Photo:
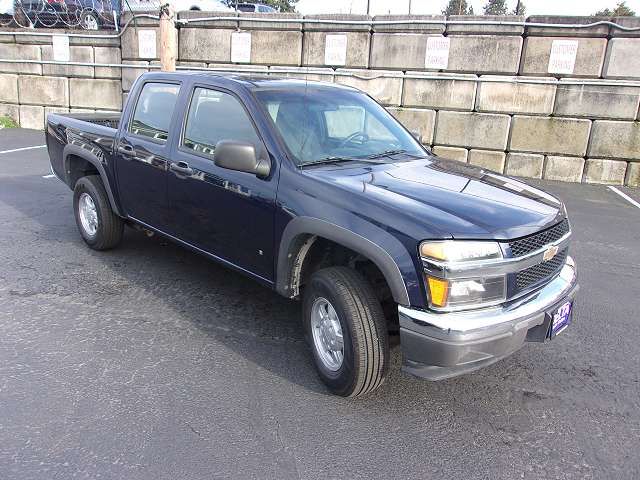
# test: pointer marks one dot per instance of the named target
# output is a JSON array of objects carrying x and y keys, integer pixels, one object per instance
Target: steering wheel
[{"x": 353, "y": 136}]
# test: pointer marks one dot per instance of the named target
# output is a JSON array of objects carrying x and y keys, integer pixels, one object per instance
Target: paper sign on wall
[
  {"x": 335, "y": 50},
  {"x": 563, "y": 56},
  {"x": 437, "y": 55},
  {"x": 241, "y": 47},
  {"x": 61, "y": 48},
  {"x": 147, "y": 43}
]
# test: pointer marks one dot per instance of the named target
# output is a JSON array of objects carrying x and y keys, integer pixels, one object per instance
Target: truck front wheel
[
  {"x": 347, "y": 331},
  {"x": 100, "y": 228}
]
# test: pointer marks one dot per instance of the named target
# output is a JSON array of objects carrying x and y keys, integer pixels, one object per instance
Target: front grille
[
  {"x": 538, "y": 240},
  {"x": 543, "y": 271}
]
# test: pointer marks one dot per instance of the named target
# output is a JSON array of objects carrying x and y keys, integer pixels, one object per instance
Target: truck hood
[{"x": 443, "y": 199}]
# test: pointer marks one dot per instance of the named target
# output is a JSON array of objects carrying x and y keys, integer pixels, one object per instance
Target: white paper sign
[
  {"x": 335, "y": 50},
  {"x": 241, "y": 47},
  {"x": 61, "y": 48},
  {"x": 437, "y": 55},
  {"x": 147, "y": 43},
  {"x": 563, "y": 56}
]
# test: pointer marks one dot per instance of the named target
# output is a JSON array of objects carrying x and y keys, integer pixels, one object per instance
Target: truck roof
[{"x": 253, "y": 81}]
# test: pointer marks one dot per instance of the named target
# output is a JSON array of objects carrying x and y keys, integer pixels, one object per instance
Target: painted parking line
[
  {"x": 625, "y": 196},
  {"x": 13, "y": 150}
]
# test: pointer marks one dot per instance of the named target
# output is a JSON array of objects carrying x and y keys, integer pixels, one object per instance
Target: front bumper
[{"x": 443, "y": 345}]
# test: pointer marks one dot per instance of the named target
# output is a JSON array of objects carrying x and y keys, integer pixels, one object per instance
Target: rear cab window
[{"x": 153, "y": 111}]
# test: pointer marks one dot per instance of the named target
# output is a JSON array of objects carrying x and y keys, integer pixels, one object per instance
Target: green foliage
[
  {"x": 621, "y": 10},
  {"x": 280, "y": 5},
  {"x": 6, "y": 122},
  {"x": 495, "y": 7},
  {"x": 458, "y": 7}
]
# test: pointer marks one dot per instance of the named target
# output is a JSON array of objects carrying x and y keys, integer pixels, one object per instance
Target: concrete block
[
  {"x": 437, "y": 28},
  {"x": 210, "y": 24},
  {"x": 129, "y": 42},
  {"x": 312, "y": 74},
  {"x": 130, "y": 75},
  {"x": 633, "y": 174},
  {"x": 107, "y": 55},
  {"x": 241, "y": 68},
  {"x": 95, "y": 93},
  {"x": 400, "y": 51},
  {"x": 475, "y": 130},
  {"x": 416, "y": 120},
  {"x": 485, "y": 29},
  {"x": 597, "y": 101},
  {"x": 83, "y": 54},
  {"x": 605, "y": 171},
  {"x": 191, "y": 65},
  {"x": 629, "y": 22},
  {"x": 615, "y": 139},
  {"x": 386, "y": 90},
  {"x": 357, "y": 52},
  {"x": 32, "y": 116},
  {"x": 451, "y": 153},
  {"x": 622, "y": 59},
  {"x": 488, "y": 159},
  {"x": 20, "y": 52},
  {"x": 435, "y": 93},
  {"x": 524, "y": 165},
  {"x": 511, "y": 97},
  {"x": 589, "y": 57},
  {"x": 271, "y": 25},
  {"x": 82, "y": 110},
  {"x": 36, "y": 39},
  {"x": 565, "y": 169},
  {"x": 97, "y": 41},
  {"x": 598, "y": 31},
  {"x": 566, "y": 136},
  {"x": 276, "y": 47},
  {"x": 484, "y": 53},
  {"x": 8, "y": 88},
  {"x": 11, "y": 111},
  {"x": 334, "y": 27},
  {"x": 209, "y": 45},
  {"x": 36, "y": 90}
]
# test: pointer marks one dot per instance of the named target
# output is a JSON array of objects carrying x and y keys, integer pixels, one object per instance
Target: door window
[
  {"x": 215, "y": 116},
  {"x": 154, "y": 110}
]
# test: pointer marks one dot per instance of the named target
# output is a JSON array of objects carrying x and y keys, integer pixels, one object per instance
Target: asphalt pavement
[{"x": 150, "y": 362}]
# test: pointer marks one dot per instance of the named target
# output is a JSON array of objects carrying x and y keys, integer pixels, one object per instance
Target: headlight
[{"x": 461, "y": 293}]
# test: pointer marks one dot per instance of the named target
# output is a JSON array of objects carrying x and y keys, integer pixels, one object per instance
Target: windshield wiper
[
  {"x": 333, "y": 159},
  {"x": 388, "y": 153}
]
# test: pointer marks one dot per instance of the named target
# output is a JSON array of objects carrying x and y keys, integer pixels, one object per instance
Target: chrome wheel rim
[
  {"x": 90, "y": 22},
  {"x": 88, "y": 214},
  {"x": 327, "y": 334}
]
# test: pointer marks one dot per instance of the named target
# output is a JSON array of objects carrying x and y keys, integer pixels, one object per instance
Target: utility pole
[
  {"x": 168, "y": 38},
  {"x": 518, "y": 8},
  {"x": 409, "y": 7},
  {"x": 368, "y": 7}
]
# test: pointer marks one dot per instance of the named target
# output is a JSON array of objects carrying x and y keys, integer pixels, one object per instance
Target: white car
[{"x": 179, "y": 5}]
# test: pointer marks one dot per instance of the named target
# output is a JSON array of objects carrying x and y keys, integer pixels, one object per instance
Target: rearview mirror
[{"x": 240, "y": 156}]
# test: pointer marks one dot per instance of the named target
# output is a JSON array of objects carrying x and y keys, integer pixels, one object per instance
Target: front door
[
  {"x": 142, "y": 154},
  {"x": 227, "y": 213}
]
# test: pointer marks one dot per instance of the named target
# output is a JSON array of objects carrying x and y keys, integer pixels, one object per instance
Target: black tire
[
  {"x": 110, "y": 226},
  {"x": 364, "y": 330}
]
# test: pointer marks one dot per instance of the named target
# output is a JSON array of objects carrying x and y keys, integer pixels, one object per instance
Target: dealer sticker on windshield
[{"x": 560, "y": 319}]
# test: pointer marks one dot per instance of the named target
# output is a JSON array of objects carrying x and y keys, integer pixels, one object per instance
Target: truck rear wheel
[
  {"x": 100, "y": 228},
  {"x": 347, "y": 331}
]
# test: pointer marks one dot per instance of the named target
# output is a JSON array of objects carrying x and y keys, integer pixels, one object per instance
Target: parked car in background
[
  {"x": 86, "y": 14},
  {"x": 255, "y": 7},
  {"x": 178, "y": 5}
]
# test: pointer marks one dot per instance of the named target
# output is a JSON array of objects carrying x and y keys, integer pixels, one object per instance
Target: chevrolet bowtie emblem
[{"x": 549, "y": 253}]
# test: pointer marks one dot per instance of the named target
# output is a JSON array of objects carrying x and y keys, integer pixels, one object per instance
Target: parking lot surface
[{"x": 149, "y": 361}]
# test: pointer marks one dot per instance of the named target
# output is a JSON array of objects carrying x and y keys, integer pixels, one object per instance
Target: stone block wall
[{"x": 497, "y": 100}]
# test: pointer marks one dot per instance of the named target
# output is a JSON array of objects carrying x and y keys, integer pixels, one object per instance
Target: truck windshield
[{"x": 327, "y": 124}]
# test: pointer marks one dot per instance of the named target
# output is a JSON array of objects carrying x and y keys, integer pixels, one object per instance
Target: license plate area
[{"x": 559, "y": 319}]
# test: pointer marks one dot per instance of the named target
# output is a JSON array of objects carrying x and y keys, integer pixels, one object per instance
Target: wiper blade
[
  {"x": 388, "y": 153},
  {"x": 338, "y": 160}
]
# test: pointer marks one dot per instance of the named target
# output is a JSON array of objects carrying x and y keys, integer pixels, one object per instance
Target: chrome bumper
[{"x": 443, "y": 345}]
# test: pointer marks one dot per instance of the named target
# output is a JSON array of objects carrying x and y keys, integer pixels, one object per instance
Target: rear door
[
  {"x": 142, "y": 153},
  {"x": 227, "y": 213}
]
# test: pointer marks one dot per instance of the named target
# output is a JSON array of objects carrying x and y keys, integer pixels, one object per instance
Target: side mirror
[{"x": 240, "y": 156}]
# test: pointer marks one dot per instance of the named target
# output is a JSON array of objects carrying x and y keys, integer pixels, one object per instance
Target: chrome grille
[
  {"x": 538, "y": 240},
  {"x": 537, "y": 273}
]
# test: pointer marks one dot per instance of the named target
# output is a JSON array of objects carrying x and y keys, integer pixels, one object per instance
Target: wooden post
[{"x": 168, "y": 38}]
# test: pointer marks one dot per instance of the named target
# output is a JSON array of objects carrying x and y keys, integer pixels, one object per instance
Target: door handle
[
  {"x": 182, "y": 168},
  {"x": 125, "y": 149}
]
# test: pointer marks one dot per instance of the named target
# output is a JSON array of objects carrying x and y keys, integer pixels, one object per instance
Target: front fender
[{"x": 383, "y": 249}]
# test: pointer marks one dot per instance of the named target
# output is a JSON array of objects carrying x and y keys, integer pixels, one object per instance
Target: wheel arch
[
  {"x": 299, "y": 237},
  {"x": 74, "y": 169}
]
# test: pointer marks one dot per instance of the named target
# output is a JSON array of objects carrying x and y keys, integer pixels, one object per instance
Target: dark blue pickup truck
[{"x": 318, "y": 192}]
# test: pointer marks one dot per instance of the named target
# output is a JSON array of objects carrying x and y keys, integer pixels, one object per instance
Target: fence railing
[{"x": 76, "y": 14}]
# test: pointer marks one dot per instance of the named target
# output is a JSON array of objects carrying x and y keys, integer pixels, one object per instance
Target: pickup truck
[{"x": 316, "y": 191}]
